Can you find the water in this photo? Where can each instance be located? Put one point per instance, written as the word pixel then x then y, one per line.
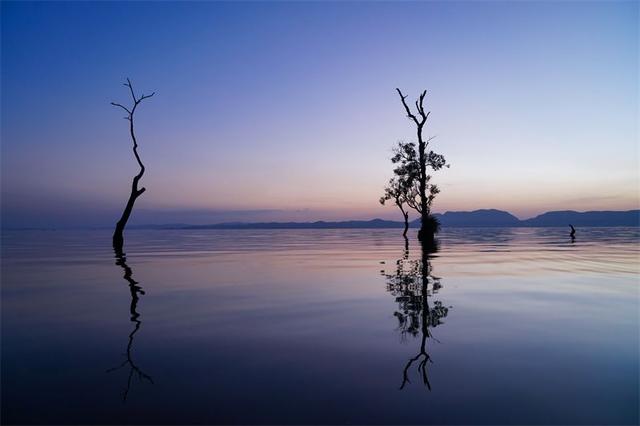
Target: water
pixel 320 326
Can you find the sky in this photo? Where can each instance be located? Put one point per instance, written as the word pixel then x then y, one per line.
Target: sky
pixel 288 110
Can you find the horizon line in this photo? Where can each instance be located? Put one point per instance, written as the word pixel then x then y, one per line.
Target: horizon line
pixel 184 225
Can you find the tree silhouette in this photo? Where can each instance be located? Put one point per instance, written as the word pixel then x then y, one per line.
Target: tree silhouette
pixel 396 191
pixel 412 284
pixel 403 188
pixel 425 192
pixel 118 238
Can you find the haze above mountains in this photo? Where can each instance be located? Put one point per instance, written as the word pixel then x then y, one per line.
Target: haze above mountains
pixel 476 218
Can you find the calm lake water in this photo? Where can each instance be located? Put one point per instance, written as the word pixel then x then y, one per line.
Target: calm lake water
pixel 321 326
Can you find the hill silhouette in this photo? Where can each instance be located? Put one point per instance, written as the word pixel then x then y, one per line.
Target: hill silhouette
pixel 592 218
pixel 484 217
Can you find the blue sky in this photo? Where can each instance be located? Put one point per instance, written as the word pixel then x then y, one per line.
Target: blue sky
pixel 287 110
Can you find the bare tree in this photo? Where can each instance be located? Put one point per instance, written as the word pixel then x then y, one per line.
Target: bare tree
pixel 429 225
pixel 118 238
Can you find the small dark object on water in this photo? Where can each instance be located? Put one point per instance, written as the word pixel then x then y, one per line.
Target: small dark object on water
pixel 573 231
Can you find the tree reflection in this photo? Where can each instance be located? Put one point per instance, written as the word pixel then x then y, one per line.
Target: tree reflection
pixel 412 283
pixel 136 291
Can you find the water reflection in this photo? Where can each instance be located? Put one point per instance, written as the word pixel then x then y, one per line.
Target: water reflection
pixel 411 284
pixel 258 314
pixel 136 291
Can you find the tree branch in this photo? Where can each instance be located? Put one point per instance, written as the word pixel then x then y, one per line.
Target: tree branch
pixel 406 107
pixel 420 103
pixel 143 97
pixel 128 84
pixel 123 107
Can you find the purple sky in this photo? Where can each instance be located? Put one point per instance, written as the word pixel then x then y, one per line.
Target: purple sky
pixel 287 111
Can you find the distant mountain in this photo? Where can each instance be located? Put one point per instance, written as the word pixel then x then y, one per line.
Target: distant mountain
pixel 476 218
pixel 374 223
pixel 595 218
pixel 487 217
pixel 162 226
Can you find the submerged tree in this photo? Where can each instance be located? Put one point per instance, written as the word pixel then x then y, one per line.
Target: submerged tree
pixel 417 163
pixel 118 238
pixel 404 187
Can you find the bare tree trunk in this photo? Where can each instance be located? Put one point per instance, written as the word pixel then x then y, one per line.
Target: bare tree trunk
pixel 422 187
pixel 118 237
pixel 405 215
pixel 406 223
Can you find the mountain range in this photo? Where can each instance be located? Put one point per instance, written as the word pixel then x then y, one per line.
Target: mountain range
pixel 476 218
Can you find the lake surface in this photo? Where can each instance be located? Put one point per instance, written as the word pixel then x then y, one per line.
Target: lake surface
pixel 321 327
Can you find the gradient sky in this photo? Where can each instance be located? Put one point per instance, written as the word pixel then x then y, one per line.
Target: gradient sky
pixel 287 111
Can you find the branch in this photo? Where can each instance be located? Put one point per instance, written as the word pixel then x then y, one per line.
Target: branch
pixel 420 106
pixel 136 101
pixel 420 103
pixel 123 107
pixel 128 84
pixel 145 97
pixel 406 107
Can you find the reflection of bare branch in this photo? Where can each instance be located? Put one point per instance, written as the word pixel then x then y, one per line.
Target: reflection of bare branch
pixel 428 317
pixel 422 365
pixel 410 285
pixel 135 290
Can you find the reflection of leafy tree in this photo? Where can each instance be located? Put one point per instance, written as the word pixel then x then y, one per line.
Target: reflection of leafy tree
pixel 135 290
pixel 412 284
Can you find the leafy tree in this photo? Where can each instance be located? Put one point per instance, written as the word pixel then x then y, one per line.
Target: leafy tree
pixel 416 165
pixel 404 187
pixel 396 191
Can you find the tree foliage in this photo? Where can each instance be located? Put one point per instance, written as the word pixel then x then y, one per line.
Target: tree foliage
pixel 404 187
